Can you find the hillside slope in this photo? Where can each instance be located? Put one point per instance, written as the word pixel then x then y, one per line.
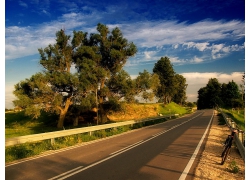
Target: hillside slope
pixel 141 111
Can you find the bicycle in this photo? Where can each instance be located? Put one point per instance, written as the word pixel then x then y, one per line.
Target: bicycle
pixel 227 146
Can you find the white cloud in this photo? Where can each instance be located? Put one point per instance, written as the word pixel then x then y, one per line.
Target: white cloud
pixel 9 96
pixel 199 46
pixel 149 34
pixel 196 60
pixel 26 40
pixel 148 54
pixel 23 4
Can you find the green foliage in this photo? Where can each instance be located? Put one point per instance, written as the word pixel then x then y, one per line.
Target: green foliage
pixel 164 69
pixel 221 119
pixel 222 95
pixel 98 58
pixel 238 116
pixel 233 167
pixel 172 86
pixel 180 86
pixel 146 85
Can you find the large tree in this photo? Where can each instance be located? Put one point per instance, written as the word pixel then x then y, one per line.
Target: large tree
pixel 164 69
pixel 57 88
pixel 98 58
pixel 106 53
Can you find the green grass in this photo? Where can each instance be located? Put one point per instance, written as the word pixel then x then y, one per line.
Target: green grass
pixel 17 124
pixel 237 116
pixel 173 108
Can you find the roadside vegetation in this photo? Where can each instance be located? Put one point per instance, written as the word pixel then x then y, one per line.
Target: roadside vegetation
pixel 238 116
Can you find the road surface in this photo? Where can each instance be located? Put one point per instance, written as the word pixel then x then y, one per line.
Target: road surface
pixel 164 151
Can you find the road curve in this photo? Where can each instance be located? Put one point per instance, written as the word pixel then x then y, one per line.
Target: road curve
pixel 164 151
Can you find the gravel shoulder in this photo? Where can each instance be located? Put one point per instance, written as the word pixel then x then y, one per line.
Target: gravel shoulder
pixel 209 167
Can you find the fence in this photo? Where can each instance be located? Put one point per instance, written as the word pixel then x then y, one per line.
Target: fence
pixel 63 133
pixel 240 136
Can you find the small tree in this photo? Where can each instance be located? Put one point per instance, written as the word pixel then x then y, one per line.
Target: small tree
pixel 146 85
pixel 164 69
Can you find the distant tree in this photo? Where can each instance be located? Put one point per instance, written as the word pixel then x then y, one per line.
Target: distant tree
pixel 146 85
pixel 190 104
pixel 202 102
pixel 121 86
pixel 231 94
pixel 180 86
pixel 164 69
pixel 213 92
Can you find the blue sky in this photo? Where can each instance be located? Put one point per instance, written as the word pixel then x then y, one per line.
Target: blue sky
pixel 203 38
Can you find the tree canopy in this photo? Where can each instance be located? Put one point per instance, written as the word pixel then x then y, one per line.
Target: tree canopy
pixel 172 85
pixel 217 94
pixel 97 58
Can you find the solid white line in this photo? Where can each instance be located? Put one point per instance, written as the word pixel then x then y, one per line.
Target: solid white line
pixel 191 161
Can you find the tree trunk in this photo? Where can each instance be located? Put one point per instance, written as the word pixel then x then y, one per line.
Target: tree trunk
pixel 165 99
pixel 61 120
pixel 63 113
pixel 75 121
pixel 102 115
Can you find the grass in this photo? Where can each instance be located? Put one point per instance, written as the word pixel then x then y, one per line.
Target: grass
pixel 233 167
pixel 173 108
pixel 17 124
pixel 238 116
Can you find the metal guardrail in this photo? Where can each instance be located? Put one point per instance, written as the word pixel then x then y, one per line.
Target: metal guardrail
pixel 240 136
pixel 57 134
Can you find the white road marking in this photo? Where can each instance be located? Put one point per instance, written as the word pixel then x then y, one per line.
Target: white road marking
pixel 191 161
pixel 126 148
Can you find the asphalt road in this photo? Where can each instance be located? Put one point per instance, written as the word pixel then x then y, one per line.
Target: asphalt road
pixel 164 151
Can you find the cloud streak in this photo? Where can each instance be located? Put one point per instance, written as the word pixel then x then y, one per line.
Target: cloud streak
pixel 24 41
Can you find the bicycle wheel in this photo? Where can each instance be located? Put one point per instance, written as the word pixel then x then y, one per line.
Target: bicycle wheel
pixel 224 155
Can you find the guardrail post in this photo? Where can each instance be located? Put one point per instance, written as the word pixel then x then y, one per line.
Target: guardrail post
pixel 241 136
pixel 233 124
pixel 229 121
pixel 90 133
pixel 52 141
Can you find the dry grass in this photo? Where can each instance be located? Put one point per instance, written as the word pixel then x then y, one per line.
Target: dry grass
pixel 135 111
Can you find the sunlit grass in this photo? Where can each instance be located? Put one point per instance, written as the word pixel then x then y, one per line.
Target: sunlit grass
pixel 238 116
